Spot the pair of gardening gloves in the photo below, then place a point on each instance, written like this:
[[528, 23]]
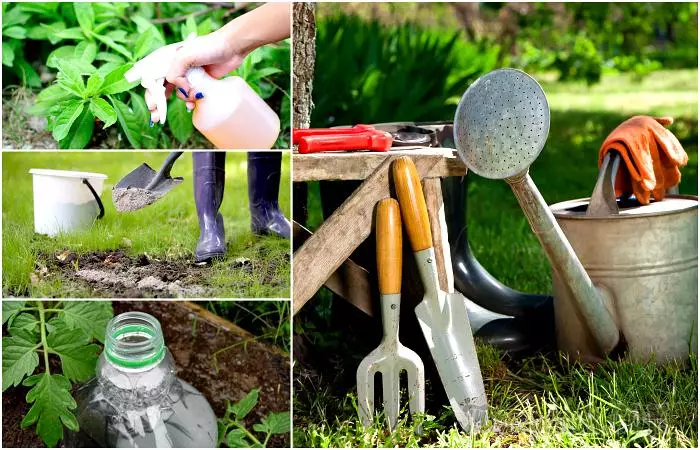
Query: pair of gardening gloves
[[652, 156]]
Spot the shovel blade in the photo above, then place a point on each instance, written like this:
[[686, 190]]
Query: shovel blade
[[130, 194], [451, 344]]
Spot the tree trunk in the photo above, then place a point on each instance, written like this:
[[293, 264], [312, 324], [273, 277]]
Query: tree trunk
[[304, 57]]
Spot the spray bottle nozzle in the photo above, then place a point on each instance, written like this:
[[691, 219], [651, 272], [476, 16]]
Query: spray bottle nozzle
[[151, 71]]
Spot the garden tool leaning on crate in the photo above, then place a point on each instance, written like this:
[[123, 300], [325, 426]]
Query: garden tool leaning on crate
[[361, 138], [443, 316], [391, 357]]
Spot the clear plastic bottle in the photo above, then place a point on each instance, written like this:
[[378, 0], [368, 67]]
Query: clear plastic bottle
[[136, 400], [231, 115]]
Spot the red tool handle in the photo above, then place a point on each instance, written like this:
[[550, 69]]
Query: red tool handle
[[298, 133], [372, 140]]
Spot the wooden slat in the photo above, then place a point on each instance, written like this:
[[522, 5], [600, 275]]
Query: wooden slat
[[443, 162], [343, 231], [351, 281]]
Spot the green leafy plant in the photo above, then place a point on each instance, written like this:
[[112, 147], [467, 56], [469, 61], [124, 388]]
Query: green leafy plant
[[233, 431], [98, 39], [38, 332], [368, 72]]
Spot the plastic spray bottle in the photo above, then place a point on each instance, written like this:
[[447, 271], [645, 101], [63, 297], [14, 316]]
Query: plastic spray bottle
[[230, 114], [136, 400]]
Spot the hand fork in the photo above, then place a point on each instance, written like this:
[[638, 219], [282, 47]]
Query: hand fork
[[391, 357]]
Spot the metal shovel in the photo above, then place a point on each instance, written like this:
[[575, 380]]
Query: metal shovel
[[143, 186], [443, 316], [391, 357]]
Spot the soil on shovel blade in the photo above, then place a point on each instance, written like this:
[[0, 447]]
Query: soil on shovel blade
[[222, 361]]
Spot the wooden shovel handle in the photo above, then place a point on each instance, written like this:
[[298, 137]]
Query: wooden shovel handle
[[389, 243], [412, 201]]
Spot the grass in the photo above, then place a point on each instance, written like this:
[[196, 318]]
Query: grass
[[166, 230], [268, 320], [544, 401]]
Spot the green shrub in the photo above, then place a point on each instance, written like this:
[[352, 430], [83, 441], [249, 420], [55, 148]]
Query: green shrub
[[367, 72]]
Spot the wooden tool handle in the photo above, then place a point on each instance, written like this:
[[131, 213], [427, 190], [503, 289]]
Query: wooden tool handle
[[389, 246], [412, 201]]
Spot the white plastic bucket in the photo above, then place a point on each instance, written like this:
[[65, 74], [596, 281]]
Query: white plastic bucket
[[65, 200]]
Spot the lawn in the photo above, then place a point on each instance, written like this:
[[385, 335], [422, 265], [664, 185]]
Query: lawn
[[162, 235], [543, 400]]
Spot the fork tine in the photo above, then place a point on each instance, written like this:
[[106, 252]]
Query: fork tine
[[391, 387], [416, 390], [365, 394]]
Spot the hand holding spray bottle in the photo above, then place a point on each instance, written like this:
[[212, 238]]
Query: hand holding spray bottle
[[227, 111]]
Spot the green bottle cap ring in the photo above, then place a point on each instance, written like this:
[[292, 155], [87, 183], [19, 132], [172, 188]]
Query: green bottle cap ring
[[141, 360]]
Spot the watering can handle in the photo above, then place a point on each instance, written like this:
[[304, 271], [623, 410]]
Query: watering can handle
[[97, 198], [603, 201]]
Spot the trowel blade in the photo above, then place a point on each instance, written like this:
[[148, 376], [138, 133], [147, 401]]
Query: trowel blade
[[130, 194], [448, 335]]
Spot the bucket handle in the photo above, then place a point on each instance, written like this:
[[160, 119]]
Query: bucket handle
[[97, 198]]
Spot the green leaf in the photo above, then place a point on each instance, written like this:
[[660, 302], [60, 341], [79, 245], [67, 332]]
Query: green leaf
[[73, 34], [85, 51], [10, 308], [237, 439], [52, 405], [26, 73], [60, 54], [70, 111], [189, 27], [70, 78], [15, 32], [80, 133], [262, 73], [274, 423], [13, 17], [109, 42], [94, 83], [115, 81], [49, 97], [103, 111], [128, 121], [148, 41], [180, 120], [8, 54], [78, 356], [19, 359], [149, 136], [85, 15], [245, 405], [91, 317], [110, 57], [25, 326]]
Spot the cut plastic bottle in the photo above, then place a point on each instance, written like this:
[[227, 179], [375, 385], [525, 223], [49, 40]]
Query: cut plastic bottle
[[136, 400]]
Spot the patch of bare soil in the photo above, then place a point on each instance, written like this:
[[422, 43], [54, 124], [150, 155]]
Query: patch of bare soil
[[115, 274], [193, 337]]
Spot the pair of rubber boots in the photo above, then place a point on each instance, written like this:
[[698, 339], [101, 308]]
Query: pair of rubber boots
[[264, 169]]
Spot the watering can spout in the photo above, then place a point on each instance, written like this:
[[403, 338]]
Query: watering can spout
[[590, 300]]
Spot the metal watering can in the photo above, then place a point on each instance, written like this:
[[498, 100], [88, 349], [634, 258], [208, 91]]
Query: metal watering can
[[625, 281]]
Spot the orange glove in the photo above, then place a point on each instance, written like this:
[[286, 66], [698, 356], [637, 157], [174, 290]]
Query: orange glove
[[651, 153]]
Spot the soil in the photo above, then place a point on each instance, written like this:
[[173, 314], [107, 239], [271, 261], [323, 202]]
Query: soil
[[115, 274], [193, 338]]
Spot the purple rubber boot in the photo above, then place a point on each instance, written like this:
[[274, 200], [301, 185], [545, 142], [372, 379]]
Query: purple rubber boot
[[209, 177], [264, 170]]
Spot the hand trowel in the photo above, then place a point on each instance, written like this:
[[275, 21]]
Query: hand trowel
[[443, 317], [143, 186]]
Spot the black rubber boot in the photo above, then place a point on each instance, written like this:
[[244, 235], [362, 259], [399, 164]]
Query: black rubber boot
[[264, 170], [209, 177]]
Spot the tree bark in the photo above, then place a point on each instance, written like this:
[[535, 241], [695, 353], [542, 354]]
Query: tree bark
[[304, 57]]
